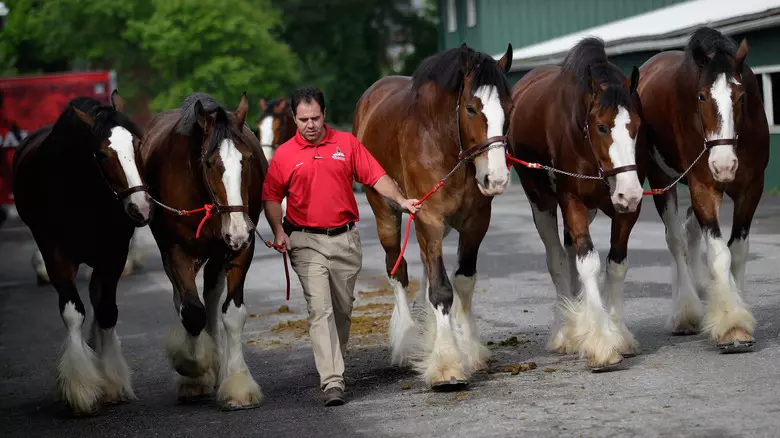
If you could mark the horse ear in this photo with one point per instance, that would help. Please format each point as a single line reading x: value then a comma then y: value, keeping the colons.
x: 633, y: 82
x: 505, y: 63
x: 243, y: 109
x: 117, y: 102
x: 700, y: 56
x: 741, y: 54
x: 465, y: 59
x: 84, y: 116
x: 203, y: 117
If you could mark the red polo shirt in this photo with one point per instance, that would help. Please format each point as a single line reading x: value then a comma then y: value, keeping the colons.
x: 317, y: 179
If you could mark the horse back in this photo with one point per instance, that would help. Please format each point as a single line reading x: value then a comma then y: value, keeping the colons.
x: 534, y: 107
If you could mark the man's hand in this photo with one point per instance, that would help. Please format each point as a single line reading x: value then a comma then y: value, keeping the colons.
x: 281, y: 242
x: 410, y: 205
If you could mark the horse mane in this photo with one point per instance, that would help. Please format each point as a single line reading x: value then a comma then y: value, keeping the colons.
x: 715, y: 45
x: 188, y: 126
x: 587, y: 62
x: 105, y: 116
x: 269, y: 110
x: 446, y: 71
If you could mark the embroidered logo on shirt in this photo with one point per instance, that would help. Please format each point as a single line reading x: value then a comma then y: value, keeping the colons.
x: 299, y: 164
x: 338, y: 155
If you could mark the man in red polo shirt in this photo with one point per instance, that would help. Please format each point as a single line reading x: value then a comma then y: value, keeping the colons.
x: 314, y: 170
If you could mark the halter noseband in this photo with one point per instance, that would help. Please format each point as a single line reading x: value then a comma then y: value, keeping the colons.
x: 485, y: 145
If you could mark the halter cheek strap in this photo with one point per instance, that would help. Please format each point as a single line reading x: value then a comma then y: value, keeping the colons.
x: 124, y: 193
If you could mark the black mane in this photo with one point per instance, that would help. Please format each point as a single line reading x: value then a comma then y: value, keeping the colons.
x: 588, y: 62
x: 187, y: 124
x: 715, y: 45
x: 269, y: 109
x: 105, y: 117
x: 445, y: 70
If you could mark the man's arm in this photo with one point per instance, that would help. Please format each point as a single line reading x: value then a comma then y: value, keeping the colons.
x: 273, y: 214
x: 389, y: 189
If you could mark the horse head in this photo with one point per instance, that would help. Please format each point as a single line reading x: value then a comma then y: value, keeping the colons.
x: 721, y: 92
x: 117, y: 155
x: 484, y: 107
x: 612, y: 126
x: 225, y: 159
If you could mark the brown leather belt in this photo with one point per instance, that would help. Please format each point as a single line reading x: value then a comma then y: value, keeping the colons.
x: 334, y: 231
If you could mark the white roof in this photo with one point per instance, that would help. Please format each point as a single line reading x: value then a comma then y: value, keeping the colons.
x: 659, y: 29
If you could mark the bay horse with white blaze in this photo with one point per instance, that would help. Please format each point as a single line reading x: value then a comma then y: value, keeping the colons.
x: 79, y: 188
x: 446, y: 122
x: 704, y: 114
x: 276, y: 124
x: 204, y: 155
x: 582, y: 118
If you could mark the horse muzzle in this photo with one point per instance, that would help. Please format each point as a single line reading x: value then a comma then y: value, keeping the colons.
x: 138, y: 208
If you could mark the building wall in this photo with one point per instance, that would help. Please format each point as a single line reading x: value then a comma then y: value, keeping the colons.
x: 525, y: 22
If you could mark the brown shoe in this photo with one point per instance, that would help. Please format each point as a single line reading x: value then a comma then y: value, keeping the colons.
x: 334, y: 397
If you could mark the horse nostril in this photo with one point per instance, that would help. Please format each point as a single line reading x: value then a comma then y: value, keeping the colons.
x: 486, y: 183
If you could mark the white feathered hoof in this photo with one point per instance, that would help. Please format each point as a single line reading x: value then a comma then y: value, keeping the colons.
x: 239, y: 391
x: 402, y: 335
x: 193, y: 390
x: 190, y: 357
x: 477, y: 356
x: 80, y: 384
x: 560, y: 342
x: 686, y: 320
x: 736, y: 340
x: 449, y: 379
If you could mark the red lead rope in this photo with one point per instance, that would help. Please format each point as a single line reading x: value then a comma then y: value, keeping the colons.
x: 411, y: 218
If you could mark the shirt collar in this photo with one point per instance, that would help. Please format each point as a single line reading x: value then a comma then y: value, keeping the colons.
x: 303, y: 143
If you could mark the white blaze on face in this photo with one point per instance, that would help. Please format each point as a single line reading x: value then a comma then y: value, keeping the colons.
x: 267, y: 131
x: 121, y: 142
x: 622, y: 152
x: 723, y: 160
x: 495, y: 169
x: 237, y: 229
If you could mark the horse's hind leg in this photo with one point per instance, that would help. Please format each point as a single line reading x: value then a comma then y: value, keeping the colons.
x: 728, y: 320
x: 402, y: 328
x: 79, y: 381
x: 41, y: 276
x: 237, y: 388
x: 190, y: 350
x: 214, y: 282
x: 595, y: 334
x: 102, y: 292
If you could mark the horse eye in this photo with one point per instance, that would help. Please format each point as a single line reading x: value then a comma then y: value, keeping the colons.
x: 471, y: 110
x: 702, y: 97
x: 602, y: 128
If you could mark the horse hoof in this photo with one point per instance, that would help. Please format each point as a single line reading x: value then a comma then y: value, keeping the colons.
x: 450, y: 385
x: 232, y: 406
x: 690, y: 331
x: 737, y: 347
x: 608, y: 367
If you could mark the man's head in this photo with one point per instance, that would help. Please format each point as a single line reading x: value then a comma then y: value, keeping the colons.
x: 308, y: 106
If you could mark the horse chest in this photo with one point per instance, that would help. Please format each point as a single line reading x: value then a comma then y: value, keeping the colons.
x: 662, y: 159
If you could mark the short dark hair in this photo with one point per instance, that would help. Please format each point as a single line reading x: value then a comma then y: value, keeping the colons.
x: 307, y: 94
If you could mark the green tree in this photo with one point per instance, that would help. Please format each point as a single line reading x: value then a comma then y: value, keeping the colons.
x: 192, y: 45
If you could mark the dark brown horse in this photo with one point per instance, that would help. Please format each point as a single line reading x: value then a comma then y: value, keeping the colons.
x: 703, y: 111
x: 276, y: 125
x: 582, y: 118
x: 200, y: 155
x: 79, y: 189
x: 456, y: 105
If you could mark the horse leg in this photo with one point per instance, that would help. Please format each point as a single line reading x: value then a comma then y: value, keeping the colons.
x: 214, y: 281
x: 463, y: 282
x: 402, y: 329
x: 728, y: 320
x: 595, y: 334
x: 237, y: 390
x: 617, y: 267
x: 78, y: 378
x: 687, y: 309
x: 190, y: 350
x: 571, y: 254
x: 133, y: 256
x: 41, y: 276
x: 745, y: 204
x: 102, y: 293
x: 443, y: 367
x: 696, y: 257
x: 546, y: 221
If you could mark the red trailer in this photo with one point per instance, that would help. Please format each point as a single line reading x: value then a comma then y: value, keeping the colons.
x: 31, y: 102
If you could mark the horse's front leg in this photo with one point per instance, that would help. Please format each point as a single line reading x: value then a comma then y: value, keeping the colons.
x: 728, y: 320
x: 190, y: 349
x: 595, y: 334
x: 746, y: 201
x: 238, y: 389
x: 443, y: 368
x: 617, y: 268
x: 469, y: 239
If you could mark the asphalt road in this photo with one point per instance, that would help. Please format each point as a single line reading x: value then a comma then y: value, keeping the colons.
x: 677, y: 386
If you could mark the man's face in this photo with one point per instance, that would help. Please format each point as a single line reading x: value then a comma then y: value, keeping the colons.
x: 310, y: 120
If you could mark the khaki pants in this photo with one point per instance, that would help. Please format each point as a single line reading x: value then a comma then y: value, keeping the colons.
x: 327, y: 267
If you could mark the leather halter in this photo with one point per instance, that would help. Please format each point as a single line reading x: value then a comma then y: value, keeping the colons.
x: 604, y: 174
x: 709, y: 144
x: 124, y: 193
x: 216, y: 207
